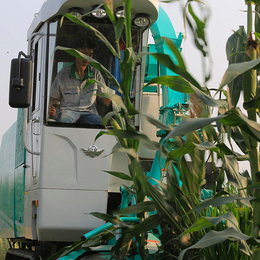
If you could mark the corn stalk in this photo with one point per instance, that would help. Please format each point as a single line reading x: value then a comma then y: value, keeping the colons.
x: 250, y: 89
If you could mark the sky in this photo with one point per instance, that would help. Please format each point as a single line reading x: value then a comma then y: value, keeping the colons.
x: 16, y: 17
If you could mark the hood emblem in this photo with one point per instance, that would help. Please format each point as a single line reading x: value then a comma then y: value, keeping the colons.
x: 93, y: 151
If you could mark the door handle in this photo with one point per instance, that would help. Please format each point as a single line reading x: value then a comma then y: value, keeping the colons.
x: 36, y: 119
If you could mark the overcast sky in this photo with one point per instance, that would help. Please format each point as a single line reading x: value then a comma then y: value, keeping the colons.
x: 16, y: 17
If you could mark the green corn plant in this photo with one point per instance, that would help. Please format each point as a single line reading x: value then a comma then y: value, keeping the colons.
x: 236, y: 129
x: 171, y: 202
x: 242, y: 215
x: 247, y: 83
x: 250, y: 88
x: 176, y: 215
x: 127, y: 136
x: 237, y: 125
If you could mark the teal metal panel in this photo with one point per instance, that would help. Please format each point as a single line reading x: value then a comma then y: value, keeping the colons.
x: 151, y: 69
x: 12, y: 157
x: 163, y: 27
x: 170, y: 99
x: 7, y: 164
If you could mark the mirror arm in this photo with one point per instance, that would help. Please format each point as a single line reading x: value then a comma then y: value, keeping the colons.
x: 18, y: 81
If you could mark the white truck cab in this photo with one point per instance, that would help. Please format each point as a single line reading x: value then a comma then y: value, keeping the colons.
x: 57, y: 168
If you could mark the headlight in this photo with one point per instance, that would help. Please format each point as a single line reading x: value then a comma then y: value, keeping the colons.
x: 142, y: 20
x: 99, y: 12
x: 76, y: 11
x: 76, y: 14
x: 120, y: 13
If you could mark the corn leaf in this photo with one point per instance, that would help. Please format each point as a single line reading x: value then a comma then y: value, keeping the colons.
x: 206, y: 222
x: 128, y: 21
x: 146, y: 225
x: 165, y: 60
x: 96, y: 32
x: 120, y: 175
x: 232, y: 170
x: 235, y: 51
x: 176, y: 52
x: 176, y: 83
x: 188, y: 147
x: 219, y: 201
x: 156, y: 122
x: 163, y: 208
x: 234, y: 70
x: 140, y: 207
x: 93, y: 62
x: 191, y: 124
x: 216, y: 237
x: 109, y: 9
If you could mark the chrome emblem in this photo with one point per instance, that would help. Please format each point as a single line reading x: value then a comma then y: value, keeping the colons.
x: 93, y: 151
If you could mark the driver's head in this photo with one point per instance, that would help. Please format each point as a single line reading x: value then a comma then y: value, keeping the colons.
x: 86, y: 46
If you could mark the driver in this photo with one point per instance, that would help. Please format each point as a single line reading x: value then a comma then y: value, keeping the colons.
x: 78, y: 104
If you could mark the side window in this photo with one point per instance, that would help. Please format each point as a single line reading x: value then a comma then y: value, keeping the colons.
x: 36, y: 75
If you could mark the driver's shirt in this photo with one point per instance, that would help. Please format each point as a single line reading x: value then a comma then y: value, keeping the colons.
x: 73, y: 93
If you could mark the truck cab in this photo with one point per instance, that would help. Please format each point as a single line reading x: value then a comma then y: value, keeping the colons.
x: 55, y: 173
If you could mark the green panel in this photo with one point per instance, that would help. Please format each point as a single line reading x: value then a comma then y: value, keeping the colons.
x: 7, y: 162
x: 12, y: 157
x: 19, y: 201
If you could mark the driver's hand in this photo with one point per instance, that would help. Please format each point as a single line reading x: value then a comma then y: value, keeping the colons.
x: 52, y: 109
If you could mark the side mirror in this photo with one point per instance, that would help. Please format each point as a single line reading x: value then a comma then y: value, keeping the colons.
x: 20, y: 82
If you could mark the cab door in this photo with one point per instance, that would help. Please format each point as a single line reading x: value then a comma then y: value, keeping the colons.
x: 34, y: 117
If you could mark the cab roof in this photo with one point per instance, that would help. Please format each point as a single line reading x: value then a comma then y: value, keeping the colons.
x: 53, y: 8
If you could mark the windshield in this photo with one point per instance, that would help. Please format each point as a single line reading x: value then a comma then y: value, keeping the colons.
x: 74, y: 83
